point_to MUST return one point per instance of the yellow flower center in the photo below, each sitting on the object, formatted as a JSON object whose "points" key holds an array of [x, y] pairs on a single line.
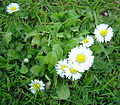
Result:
{"points": [[63, 67], [73, 71], [86, 40], [36, 86], [80, 58], [103, 32], [13, 8]]}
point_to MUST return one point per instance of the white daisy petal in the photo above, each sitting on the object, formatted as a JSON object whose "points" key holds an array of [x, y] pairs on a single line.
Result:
{"points": [[102, 26]]}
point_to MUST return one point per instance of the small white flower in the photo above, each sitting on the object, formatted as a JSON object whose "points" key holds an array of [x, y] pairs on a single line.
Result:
{"points": [[88, 41], [106, 14], [12, 7], [61, 67], [103, 33], [26, 60], [81, 57], [36, 85], [72, 72]]}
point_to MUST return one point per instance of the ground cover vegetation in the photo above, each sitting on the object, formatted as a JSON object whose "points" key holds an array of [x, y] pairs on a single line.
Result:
{"points": [[38, 38]]}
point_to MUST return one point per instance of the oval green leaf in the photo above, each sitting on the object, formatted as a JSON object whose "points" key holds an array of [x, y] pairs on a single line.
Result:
{"points": [[35, 69], [24, 69]]}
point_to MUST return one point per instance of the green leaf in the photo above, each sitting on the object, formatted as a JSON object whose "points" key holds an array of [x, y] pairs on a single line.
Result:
{"points": [[71, 21], [104, 50], [71, 44], [63, 91], [62, 16], [19, 46], [14, 54], [55, 17], [32, 51], [67, 34], [46, 49], [36, 40], [40, 58], [29, 56], [75, 29], [58, 16], [84, 32], [58, 50], [1, 74], [31, 34], [24, 69], [96, 49], [43, 15], [51, 58], [60, 35], [72, 13], [57, 26], [36, 69], [7, 37], [2, 61]]}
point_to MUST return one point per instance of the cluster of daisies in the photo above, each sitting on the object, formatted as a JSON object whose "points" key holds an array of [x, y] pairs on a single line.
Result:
{"points": [[79, 60]]}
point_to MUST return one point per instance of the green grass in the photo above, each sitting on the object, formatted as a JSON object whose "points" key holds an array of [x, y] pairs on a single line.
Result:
{"points": [[36, 29]]}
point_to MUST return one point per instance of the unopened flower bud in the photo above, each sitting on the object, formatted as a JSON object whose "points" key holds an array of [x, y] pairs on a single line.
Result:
{"points": [[26, 60]]}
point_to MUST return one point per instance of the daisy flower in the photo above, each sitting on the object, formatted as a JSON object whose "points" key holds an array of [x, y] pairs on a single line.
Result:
{"points": [[72, 72], [61, 67], [36, 85], [12, 7], [88, 41], [103, 33], [81, 57]]}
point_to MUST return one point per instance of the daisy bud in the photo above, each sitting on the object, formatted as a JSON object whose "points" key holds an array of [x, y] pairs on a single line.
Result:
{"points": [[26, 60]]}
